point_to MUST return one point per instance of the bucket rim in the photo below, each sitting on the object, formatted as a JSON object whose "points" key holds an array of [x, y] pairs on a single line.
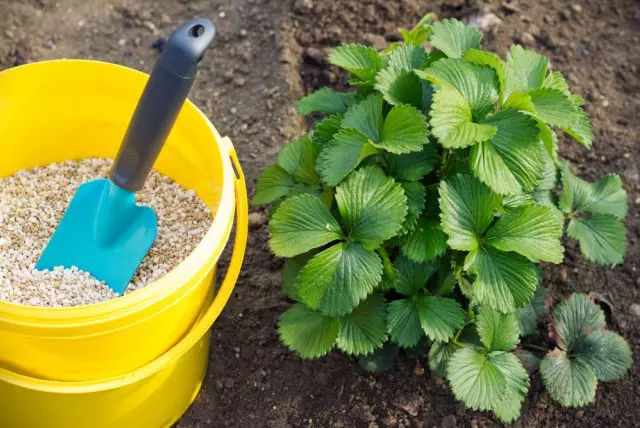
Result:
{"points": [[204, 256]]}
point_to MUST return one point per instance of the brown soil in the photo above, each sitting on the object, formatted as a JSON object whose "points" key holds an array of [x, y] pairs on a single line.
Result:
{"points": [[266, 55]]}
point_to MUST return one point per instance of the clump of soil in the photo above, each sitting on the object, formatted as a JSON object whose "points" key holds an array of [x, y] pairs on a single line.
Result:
{"points": [[33, 203]]}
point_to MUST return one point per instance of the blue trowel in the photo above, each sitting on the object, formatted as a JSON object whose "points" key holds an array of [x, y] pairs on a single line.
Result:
{"points": [[103, 231]]}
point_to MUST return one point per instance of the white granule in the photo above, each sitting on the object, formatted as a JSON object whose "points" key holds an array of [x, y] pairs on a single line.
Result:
{"points": [[32, 203]]}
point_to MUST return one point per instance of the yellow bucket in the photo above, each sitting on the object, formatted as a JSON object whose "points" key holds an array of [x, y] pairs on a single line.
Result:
{"points": [[60, 110]]}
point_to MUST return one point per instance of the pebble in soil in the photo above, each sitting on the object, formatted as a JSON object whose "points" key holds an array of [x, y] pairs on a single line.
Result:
{"points": [[32, 203]]}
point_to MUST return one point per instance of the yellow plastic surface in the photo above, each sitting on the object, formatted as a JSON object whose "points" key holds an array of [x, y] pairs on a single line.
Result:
{"points": [[71, 109]]}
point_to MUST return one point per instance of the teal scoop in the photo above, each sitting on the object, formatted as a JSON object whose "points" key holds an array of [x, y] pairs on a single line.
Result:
{"points": [[103, 231]]}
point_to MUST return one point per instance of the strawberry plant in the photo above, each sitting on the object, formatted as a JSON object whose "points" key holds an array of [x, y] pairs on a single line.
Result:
{"points": [[415, 215]]}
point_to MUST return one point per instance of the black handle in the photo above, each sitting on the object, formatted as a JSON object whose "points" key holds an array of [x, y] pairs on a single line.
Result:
{"points": [[158, 107]]}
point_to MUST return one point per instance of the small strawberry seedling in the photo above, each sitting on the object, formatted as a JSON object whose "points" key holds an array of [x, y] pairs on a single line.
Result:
{"points": [[415, 215]]}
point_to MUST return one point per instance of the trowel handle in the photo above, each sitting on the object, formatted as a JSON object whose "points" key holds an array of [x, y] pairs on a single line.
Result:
{"points": [[158, 107]]}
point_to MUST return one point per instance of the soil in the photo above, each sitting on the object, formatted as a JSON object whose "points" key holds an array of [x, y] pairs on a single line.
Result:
{"points": [[269, 53]]}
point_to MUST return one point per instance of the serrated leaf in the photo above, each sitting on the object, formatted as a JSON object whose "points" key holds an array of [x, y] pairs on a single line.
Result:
{"points": [[508, 409], [467, 209], [519, 200], [602, 197], [439, 356], [360, 60], [412, 276], [440, 317], [555, 80], [413, 166], [364, 329], [300, 224], [343, 154], [582, 129], [400, 87], [530, 230], [549, 139], [570, 381], [273, 183], [475, 380], [451, 121], [529, 314], [529, 360], [519, 101], [326, 129], [426, 242], [307, 332], [575, 318], [366, 117], [298, 158], [335, 280], [290, 271], [498, 332], [524, 70], [407, 57], [489, 59], [603, 238], [372, 205], [607, 353], [404, 323], [504, 281], [389, 273], [381, 360], [415, 192], [324, 100], [454, 38], [404, 130], [512, 161], [476, 83]]}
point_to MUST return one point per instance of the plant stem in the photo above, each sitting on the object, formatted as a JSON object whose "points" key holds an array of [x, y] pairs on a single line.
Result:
{"points": [[536, 347]]}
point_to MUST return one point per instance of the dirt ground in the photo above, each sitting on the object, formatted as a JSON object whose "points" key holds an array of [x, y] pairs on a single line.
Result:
{"points": [[266, 55]]}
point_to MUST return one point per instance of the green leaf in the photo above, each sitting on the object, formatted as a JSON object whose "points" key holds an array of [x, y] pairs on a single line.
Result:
{"points": [[524, 70], [555, 80], [360, 60], [413, 166], [570, 381], [607, 353], [549, 139], [513, 160], [326, 129], [343, 154], [476, 83], [273, 183], [307, 332], [498, 332], [489, 59], [300, 224], [476, 380], [519, 101], [298, 158], [420, 33], [400, 87], [576, 318], [404, 130], [454, 38], [581, 129], [290, 271], [407, 57], [529, 360], [504, 281], [412, 276], [426, 242], [440, 317], [508, 409], [415, 192], [451, 121], [372, 205], [529, 314], [366, 117], [389, 273], [467, 209], [324, 100], [603, 238], [364, 329], [602, 197], [404, 323], [439, 356], [530, 230], [335, 280], [381, 360]]}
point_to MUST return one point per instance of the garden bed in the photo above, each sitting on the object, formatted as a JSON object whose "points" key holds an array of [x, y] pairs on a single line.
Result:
{"points": [[271, 52]]}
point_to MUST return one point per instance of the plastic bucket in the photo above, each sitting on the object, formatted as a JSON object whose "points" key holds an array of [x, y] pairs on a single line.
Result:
{"points": [[60, 110]]}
